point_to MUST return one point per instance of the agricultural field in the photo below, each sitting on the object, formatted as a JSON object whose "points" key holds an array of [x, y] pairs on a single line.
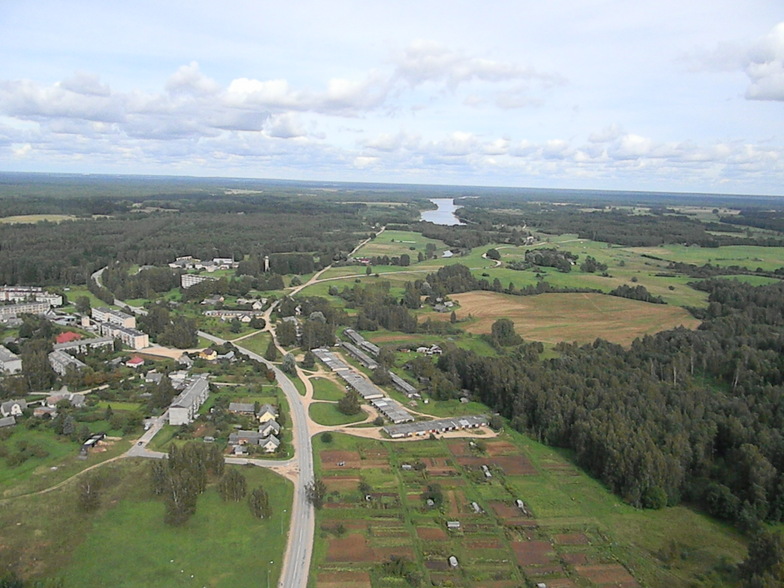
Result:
{"points": [[552, 318], [570, 531], [35, 218]]}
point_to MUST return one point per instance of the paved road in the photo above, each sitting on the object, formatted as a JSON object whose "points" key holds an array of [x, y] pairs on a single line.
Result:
{"points": [[296, 563]]}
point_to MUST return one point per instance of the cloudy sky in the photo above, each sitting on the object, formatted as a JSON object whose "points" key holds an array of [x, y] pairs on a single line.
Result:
{"points": [[671, 95]]}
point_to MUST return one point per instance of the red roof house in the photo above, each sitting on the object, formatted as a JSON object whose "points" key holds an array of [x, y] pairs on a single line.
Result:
{"points": [[67, 337], [135, 362]]}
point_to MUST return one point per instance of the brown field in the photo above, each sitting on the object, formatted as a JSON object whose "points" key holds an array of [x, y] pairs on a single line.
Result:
{"points": [[459, 448], [353, 548], [552, 318], [484, 544], [341, 484], [513, 464], [533, 552], [576, 558], [331, 458], [346, 579], [608, 574], [456, 499], [431, 534], [571, 539], [495, 448], [505, 511]]}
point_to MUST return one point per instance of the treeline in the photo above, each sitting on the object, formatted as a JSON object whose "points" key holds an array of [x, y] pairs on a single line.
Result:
{"points": [[546, 257], [682, 415], [636, 293], [68, 252], [145, 283]]}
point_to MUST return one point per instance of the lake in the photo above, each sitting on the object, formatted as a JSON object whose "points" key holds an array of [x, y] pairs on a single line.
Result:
{"points": [[445, 215]]}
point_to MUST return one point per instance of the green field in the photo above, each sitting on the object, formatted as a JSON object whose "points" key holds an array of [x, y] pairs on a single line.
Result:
{"points": [[327, 413], [324, 389], [750, 257]]}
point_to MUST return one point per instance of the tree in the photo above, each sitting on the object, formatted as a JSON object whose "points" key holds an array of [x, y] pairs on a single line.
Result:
{"points": [[289, 364], [271, 354], [493, 254], [764, 564], [350, 404], [326, 437], [503, 333], [258, 503], [82, 305], [233, 486], [309, 361], [316, 491], [496, 422], [286, 332], [88, 497]]}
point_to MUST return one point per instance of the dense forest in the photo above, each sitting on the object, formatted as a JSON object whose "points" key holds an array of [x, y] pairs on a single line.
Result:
{"points": [[681, 415]]}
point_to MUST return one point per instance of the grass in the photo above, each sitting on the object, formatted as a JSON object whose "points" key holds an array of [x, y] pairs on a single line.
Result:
{"points": [[62, 461], [325, 413], [35, 218], [214, 548], [324, 389], [257, 343]]}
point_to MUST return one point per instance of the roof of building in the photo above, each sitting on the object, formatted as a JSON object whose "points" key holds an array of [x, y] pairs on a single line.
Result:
{"points": [[421, 427], [188, 397], [67, 337], [267, 408], [7, 421], [242, 407], [135, 360], [7, 355]]}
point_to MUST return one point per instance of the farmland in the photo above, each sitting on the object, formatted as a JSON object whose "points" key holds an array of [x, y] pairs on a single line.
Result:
{"points": [[572, 533]]}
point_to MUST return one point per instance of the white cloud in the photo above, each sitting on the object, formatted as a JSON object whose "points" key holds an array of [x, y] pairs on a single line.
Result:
{"points": [[189, 80], [765, 67], [285, 126]]}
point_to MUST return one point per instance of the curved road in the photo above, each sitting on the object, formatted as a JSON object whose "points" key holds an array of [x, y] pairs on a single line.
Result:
{"points": [[296, 562]]}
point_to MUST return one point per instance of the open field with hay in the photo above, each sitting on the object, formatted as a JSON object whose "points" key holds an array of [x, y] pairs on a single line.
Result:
{"points": [[551, 318]]}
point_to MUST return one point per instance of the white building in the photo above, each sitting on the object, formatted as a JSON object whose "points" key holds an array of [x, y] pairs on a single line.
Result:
{"points": [[130, 337], [188, 280], [14, 310], [60, 360], [29, 293], [10, 363], [185, 407], [114, 317]]}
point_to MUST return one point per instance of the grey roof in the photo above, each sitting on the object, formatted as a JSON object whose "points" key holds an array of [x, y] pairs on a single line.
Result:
{"points": [[7, 421], [369, 362], [438, 425], [402, 385], [8, 405], [85, 343], [242, 407], [187, 397], [392, 410], [267, 408], [270, 427], [365, 388], [7, 355]]}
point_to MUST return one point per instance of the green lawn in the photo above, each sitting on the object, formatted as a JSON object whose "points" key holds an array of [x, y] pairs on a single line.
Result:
{"points": [[222, 545], [326, 389], [325, 413], [256, 343]]}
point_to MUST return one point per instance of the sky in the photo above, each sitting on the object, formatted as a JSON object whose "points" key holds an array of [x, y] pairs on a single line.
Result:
{"points": [[600, 94]]}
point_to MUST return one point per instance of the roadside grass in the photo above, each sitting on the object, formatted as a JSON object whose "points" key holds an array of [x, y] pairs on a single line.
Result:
{"points": [[326, 413], [396, 243], [63, 461], [214, 548], [324, 389], [256, 343]]}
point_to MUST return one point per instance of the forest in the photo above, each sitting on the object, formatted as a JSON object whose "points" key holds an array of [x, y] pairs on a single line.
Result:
{"points": [[695, 416]]}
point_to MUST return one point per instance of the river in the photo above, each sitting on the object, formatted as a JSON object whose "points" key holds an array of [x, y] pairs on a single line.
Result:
{"points": [[444, 215]]}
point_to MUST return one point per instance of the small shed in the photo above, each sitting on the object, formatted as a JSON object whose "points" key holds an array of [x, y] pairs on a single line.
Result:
{"points": [[453, 525], [453, 561]]}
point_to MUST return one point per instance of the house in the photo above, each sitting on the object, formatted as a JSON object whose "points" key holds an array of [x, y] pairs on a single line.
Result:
{"points": [[8, 421], [269, 428], [13, 407], [270, 444], [245, 438], [153, 377], [43, 411], [76, 400], [67, 337], [10, 363], [209, 354], [242, 407], [185, 360], [135, 362], [184, 408], [267, 412]]}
